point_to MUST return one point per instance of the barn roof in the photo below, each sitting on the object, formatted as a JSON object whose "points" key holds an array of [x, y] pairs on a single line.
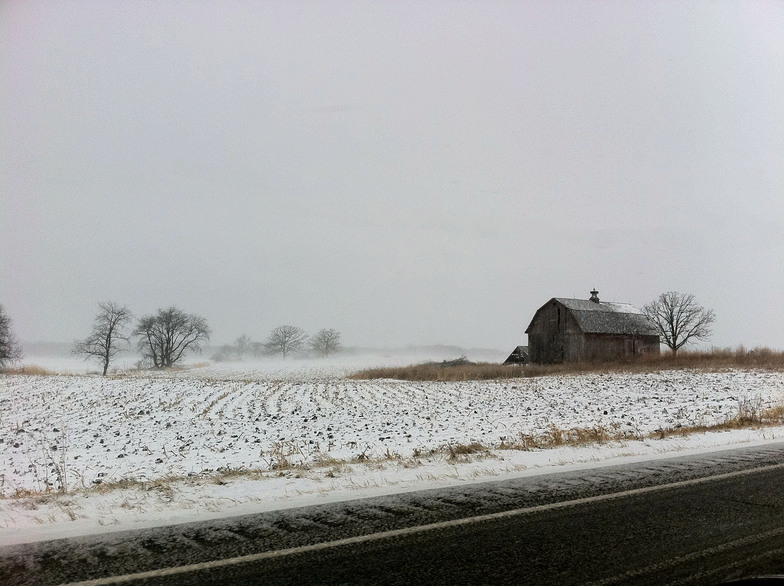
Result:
{"points": [[607, 317]]}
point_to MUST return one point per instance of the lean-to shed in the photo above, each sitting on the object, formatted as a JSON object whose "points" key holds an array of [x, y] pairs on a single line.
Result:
{"points": [[518, 356]]}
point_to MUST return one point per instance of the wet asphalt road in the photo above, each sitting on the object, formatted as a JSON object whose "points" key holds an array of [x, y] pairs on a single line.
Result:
{"points": [[695, 520]]}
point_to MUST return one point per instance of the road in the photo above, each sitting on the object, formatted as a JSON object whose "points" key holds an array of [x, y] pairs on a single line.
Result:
{"points": [[695, 520]]}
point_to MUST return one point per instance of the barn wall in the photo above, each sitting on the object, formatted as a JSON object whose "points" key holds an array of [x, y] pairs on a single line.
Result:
{"points": [[648, 345], [544, 344], [604, 347], [551, 335], [596, 347]]}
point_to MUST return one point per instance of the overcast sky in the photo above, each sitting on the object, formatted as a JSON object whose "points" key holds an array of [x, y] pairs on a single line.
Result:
{"points": [[404, 172]]}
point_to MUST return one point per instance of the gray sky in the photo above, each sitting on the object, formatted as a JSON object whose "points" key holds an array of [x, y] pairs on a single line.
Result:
{"points": [[405, 172]]}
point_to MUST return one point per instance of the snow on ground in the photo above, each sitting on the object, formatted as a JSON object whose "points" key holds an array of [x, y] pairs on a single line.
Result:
{"points": [[142, 448]]}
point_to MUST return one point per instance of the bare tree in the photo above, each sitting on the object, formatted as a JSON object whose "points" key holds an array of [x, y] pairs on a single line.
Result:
{"points": [[10, 349], [325, 342], [679, 318], [257, 349], [242, 346], [224, 353], [164, 338], [103, 343], [286, 339]]}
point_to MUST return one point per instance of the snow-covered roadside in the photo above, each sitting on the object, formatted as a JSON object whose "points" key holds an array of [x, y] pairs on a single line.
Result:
{"points": [[313, 436], [30, 519]]}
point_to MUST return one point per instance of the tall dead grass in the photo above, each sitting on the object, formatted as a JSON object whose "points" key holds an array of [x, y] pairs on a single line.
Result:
{"points": [[718, 358], [714, 359], [31, 369]]}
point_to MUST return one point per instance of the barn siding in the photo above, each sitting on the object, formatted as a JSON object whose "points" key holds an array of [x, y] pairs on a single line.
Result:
{"points": [[554, 334], [613, 346]]}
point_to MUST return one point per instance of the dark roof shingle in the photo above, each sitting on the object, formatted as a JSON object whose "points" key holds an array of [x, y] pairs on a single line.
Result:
{"points": [[607, 317]]}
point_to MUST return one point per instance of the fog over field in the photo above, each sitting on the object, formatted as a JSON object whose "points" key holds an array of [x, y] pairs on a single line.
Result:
{"points": [[408, 173]]}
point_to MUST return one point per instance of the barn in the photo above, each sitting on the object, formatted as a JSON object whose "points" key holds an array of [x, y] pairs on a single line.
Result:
{"points": [[573, 330]]}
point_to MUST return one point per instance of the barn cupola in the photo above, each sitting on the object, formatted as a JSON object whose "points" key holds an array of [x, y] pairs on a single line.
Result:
{"points": [[595, 296]]}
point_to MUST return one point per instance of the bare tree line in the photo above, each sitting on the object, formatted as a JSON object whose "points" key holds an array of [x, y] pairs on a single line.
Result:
{"points": [[165, 337], [162, 338], [283, 340]]}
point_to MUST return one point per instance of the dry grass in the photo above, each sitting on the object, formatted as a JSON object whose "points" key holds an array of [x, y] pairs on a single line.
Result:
{"points": [[714, 359], [719, 358], [436, 372], [463, 452], [31, 369], [555, 437]]}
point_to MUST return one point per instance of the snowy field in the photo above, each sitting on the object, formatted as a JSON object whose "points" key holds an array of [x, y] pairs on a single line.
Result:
{"points": [[82, 453]]}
